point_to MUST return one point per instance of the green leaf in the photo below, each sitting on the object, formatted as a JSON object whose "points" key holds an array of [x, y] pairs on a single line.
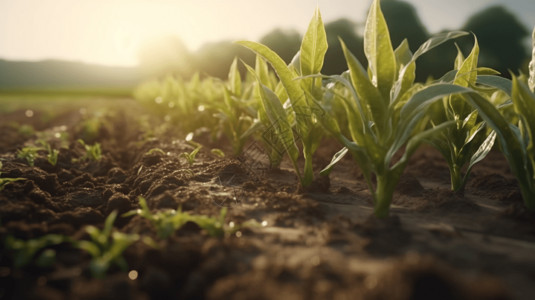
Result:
{"points": [[367, 93], [467, 74], [413, 111], [511, 145], [108, 224], [314, 46], [90, 247], [498, 82], [336, 158], [379, 51], [295, 93], [234, 78], [437, 40], [524, 103], [415, 141], [279, 122], [262, 71], [482, 151], [459, 59], [5, 181], [406, 79], [427, 95], [531, 80]]}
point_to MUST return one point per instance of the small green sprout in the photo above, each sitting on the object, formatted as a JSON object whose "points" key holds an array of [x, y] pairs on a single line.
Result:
{"points": [[155, 150], [218, 152], [216, 226], [166, 222], [34, 251], [213, 226], [29, 154], [92, 152], [106, 247], [52, 154], [190, 157]]}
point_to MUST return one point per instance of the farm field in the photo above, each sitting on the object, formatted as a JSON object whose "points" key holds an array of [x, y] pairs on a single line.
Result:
{"points": [[278, 182], [323, 243]]}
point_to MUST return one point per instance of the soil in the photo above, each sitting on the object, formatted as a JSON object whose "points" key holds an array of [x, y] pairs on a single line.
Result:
{"points": [[322, 243]]}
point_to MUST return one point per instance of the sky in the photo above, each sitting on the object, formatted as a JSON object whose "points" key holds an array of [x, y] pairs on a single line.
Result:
{"points": [[110, 32]]}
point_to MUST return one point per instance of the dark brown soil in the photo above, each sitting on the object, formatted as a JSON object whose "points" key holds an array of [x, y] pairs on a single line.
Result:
{"points": [[319, 244]]}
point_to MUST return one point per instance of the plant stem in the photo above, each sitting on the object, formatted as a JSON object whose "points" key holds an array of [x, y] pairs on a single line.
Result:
{"points": [[457, 179], [384, 191], [308, 171]]}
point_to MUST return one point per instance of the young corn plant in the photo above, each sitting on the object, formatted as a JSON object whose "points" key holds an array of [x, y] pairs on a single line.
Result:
{"points": [[469, 141], [516, 141], [386, 112], [299, 121], [106, 247], [165, 222], [92, 152], [271, 143], [235, 112], [52, 154], [34, 251], [190, 156], [29, 154]]}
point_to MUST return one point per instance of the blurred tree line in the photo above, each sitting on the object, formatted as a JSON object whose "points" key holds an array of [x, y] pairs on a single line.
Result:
{"points": [[500, 35]]}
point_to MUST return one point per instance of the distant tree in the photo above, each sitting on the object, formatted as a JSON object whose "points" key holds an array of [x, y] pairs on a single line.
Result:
{"points": [[334, 58], [500, 36], [214, 59], [285, 43], [403, 23], [165, 55]]}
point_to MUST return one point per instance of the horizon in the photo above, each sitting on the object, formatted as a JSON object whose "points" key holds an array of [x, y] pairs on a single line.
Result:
{"points": [[111, 33]]}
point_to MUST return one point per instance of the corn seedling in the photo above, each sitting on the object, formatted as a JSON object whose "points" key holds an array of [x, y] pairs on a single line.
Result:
{"points": [[235, 112], [52, 154], [212, 226], [299, 121], [28, 154], [34, 251], [155, 150], [516, 140], [92, 152], [106, 247], [386, 112], [469, 141], [190, 156], [217, 152], [165, 222], [177, 100]]}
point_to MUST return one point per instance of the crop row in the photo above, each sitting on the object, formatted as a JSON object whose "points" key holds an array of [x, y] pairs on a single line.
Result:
{"points": [[379, 114]]}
